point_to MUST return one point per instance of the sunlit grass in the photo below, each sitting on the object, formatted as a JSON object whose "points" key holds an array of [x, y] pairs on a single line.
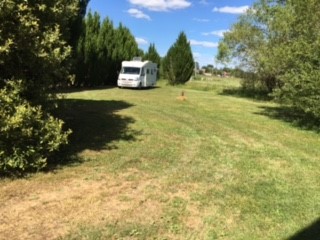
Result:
{"points": [[210, 167]]}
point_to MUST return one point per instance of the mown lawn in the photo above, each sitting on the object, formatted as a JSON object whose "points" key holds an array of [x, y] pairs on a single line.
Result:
{"points": [[144, 164]]}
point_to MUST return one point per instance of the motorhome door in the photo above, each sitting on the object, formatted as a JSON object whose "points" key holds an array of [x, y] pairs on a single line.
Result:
{"points": [[143, 77]]}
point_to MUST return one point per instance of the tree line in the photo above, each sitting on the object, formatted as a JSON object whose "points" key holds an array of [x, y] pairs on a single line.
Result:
{"points": [[47, 44], [102, 47], [279, 42]]}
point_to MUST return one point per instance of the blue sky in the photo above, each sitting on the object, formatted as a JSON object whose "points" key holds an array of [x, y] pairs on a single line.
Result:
{"points": [[161, 21]]}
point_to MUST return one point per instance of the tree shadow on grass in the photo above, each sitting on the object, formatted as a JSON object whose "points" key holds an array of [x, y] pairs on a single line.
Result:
{"points": [[292, 116], [95, 126], [250, 94], [287, 114], [82, 89], [311, 232]]}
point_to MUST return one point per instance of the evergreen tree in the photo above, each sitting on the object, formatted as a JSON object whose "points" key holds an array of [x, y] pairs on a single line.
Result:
{"points": [[106, 45], [76, 26], [152, 55], [140, 53], [126, 48], [100, 51], [178, 65], [90, 49]]}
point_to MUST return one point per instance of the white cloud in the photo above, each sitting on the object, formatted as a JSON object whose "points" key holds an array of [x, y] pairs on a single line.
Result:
{"points": [[232, 10], [138, 14], [141, 41], [161, 5], [218, 33], [203, 44], [201, 20]]}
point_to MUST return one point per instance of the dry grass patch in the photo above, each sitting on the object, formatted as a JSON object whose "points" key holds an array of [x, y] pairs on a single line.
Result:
{"points": [[46, 211]]}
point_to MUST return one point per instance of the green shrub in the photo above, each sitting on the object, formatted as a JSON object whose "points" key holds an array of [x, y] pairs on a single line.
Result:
{"points": [[301, 90], [27, 135]]}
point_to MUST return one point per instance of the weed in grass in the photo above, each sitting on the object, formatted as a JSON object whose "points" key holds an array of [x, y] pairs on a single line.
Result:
{"points": [[212, 235], [173, 215]]}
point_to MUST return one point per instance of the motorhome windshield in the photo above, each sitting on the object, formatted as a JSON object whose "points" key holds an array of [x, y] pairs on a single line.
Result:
{"points": [[130, 70]]}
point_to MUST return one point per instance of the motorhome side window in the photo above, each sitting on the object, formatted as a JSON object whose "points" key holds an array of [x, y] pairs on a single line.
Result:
{"points": [[151, 71], [147, 71], [142, 72]]}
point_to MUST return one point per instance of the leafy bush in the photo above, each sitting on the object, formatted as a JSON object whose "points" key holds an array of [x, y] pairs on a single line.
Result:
{"points": [[27, 135], [302, 90]]}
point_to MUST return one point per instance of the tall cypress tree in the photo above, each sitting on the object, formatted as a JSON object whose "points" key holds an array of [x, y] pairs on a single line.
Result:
{"points": [[106, 45], [88, 51], [178, 64], [126, 48], [76, 31], [153, 56], [76, 24], [100, 51]]}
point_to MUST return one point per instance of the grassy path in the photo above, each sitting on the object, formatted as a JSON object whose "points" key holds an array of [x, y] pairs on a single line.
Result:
{"points": [[155, 167]]}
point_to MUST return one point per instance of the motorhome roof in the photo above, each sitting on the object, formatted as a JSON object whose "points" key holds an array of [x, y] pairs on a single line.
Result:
{"points": [[134, 63]]}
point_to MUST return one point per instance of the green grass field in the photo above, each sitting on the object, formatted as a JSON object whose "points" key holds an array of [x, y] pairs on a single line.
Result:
{"points": [[146, 164]]}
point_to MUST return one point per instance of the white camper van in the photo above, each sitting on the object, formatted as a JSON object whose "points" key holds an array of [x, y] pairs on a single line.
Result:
{"points": [[137, 74]]}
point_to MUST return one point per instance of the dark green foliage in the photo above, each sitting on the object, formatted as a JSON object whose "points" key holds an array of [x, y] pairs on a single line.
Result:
{"points": [[301, 82], [28, 136], [33, 44], [76, 31], [34, 48], [153, 55], [280, 42], [178, 65], [106, 45], [301, 89], [125, 48], [76, 24], [100, 51], [88, 51]]}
